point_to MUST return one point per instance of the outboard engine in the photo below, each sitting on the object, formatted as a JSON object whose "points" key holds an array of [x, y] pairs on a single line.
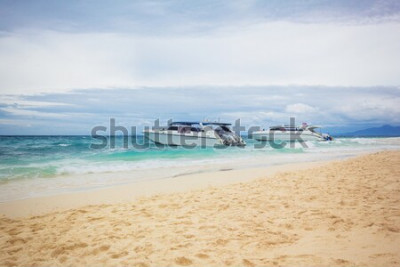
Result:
{"points": [[327, 137], [231, 139]]}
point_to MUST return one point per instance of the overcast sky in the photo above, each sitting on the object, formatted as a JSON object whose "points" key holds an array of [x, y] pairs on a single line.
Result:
{"points": [[75, 64]]}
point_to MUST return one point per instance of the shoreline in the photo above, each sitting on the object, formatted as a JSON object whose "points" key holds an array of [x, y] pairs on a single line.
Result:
{"points": [[217, 176], [123, 193], [32, 188]]}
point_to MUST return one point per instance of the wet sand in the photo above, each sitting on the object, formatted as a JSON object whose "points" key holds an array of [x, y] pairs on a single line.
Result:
{"points": [[341, 213]]}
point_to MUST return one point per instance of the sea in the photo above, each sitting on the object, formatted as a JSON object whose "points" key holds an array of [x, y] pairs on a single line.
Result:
{"points": [[32, 166]]}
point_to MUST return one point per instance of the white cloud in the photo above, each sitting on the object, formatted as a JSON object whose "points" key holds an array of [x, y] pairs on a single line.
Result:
{"points": [[376, 107], [20, 102], [270, 53], [22, 123], [31, 113], [299, 108], [56, 62]]}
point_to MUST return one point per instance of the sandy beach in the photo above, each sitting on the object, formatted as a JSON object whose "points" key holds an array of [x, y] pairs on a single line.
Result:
{"points": [[338, 213]]}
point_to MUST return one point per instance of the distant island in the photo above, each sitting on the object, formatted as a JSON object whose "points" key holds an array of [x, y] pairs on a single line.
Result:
{"points": [[385, 130]]}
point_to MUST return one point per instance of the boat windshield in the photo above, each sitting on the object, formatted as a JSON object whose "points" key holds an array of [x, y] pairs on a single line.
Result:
{"points": [[184, 127], [187, 127], [312, 130], [217, 127], [285, 128], [172, 128]]}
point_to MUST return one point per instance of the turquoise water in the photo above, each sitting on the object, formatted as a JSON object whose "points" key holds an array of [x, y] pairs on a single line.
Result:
{"points": [[32, 166], [49, 156], [29, 157]]}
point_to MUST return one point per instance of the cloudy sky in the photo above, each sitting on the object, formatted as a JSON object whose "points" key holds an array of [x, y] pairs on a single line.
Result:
{"points": [[66, 66]]}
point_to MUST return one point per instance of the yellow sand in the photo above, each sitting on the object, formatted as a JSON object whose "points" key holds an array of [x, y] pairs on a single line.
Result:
{"points": [[343, 213]]}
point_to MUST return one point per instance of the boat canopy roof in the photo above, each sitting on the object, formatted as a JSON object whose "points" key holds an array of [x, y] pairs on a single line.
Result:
{"points": [[189, 123], [184, 123], [216, 123], [293, 127], [313, 127]]}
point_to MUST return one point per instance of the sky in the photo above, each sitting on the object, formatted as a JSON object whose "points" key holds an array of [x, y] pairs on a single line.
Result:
{"points": [[66, 66]]}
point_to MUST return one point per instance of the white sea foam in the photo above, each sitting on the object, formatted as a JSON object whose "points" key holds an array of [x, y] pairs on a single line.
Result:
{"points": [[364, 141]]}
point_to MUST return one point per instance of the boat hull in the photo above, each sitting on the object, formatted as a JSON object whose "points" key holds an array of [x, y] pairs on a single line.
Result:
{"points": [[170, 139], [287, 136]]}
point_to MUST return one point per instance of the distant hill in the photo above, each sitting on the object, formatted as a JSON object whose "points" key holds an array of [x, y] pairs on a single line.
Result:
{"points": [[385, 130]]}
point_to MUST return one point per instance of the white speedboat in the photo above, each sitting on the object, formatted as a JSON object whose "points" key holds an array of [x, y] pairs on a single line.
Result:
{"points": [[291, 134], [195, 134]]}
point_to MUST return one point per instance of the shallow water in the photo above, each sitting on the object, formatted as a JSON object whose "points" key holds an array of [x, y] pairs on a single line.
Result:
{"points": [[41, 165]]}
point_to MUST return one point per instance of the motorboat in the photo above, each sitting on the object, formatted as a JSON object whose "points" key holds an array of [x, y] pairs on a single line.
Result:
{"points": [[291, 133], [204, 134]]}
